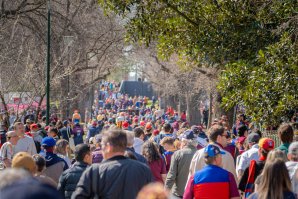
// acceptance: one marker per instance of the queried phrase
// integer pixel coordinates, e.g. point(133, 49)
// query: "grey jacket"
point(179, 169)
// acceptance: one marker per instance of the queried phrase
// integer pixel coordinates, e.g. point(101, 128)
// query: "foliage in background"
point(253, 42)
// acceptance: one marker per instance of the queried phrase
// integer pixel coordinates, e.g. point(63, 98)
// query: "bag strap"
point(251, 179)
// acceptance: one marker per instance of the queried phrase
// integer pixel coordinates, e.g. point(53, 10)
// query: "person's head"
point(276, 154)
point(293, 152)
point(40, 162)
point(19, 128)
point(48, 143)
point(23, 160)
point(53, 132)
point(97, 140)
point(252, 139)
point(241, 117)
point(12, 137)
point(153, 191)
point(130, 138)
point(150, 151)
point(10, 175)
point(167, 128)
point(167, 143)
point(212, 155)
point(187, 138)
point(275, 180)
point(217, 134)
point(28, 122)
point(82, 153)
point(62, 146)
point(34, 127)
point(113, 143)
point(139, 133)
point(65, 123)
point(265, 146)
point(285, 133)
point(242, 131)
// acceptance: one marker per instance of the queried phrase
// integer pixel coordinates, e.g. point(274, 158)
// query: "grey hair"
point(10, 175)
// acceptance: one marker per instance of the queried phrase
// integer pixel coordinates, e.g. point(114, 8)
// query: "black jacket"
point(117, 177)
point(70, 178)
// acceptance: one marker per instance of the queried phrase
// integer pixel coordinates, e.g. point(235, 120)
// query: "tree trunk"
point(210, 109)
point(6, 118)
point(39, 107)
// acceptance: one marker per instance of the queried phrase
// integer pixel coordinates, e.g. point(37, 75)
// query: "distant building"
point(137, 88)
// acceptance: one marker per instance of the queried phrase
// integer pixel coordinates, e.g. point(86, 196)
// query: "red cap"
point(148, 126)
point(142, 123)
point(241, 140)
point(46, 128)
point(155, 132)
point(33, 126)
point(266, 143)
point(125, 125)
point(94, 123)
point(135, 120)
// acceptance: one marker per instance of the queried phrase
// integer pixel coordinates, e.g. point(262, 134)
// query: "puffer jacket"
point(70, 178)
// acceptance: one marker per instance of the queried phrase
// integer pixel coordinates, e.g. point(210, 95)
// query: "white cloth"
point(293, 173)
point(198, 162)
point(25, 144)
point(138, 145)
point(246, 157)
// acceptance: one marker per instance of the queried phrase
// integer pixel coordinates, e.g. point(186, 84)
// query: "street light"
point(48, 64)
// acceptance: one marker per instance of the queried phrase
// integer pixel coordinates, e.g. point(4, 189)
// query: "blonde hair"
point(275, 180)
point(276, 154)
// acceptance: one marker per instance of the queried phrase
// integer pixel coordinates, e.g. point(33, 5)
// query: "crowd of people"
point(146, 154)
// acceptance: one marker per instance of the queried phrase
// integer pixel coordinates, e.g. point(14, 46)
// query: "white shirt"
point(138, 145)
point(25, 144)
point(246, 157)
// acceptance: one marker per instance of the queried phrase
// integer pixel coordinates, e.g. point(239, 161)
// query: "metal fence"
point(273, 135)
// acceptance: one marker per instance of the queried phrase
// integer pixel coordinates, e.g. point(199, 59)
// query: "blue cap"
point(65, 122)
point(48, 141)
point(212, 150)
point(188, 134)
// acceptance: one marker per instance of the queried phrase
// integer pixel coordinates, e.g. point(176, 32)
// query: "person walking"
point(217, 136)
point(70, 178)
point(78, 133)
point(6, 152)
point(54, 164)
point(180, 162)
point(117, 176)
point(212, 181)
point(155, 161)
point(276, 182)
point(25, 143)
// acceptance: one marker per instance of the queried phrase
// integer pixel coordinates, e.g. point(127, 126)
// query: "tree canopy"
point(253, 42)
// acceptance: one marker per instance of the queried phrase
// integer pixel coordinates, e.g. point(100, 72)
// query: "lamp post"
point(48, 64)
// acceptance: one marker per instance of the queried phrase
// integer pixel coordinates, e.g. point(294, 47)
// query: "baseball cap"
point(266, 143)
point(94, 123)
point(148, 126)
point(212, 150)
point(155, 132)
point(293, 148)
point(125, 124)
point(188, 134)
point(241, 140)
point(33, 126)
point(48, 141)
point(135, 120)
point(28, 121)
point(25, 161)
point(142, 123)
point(65, 122)
point(253, 138)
